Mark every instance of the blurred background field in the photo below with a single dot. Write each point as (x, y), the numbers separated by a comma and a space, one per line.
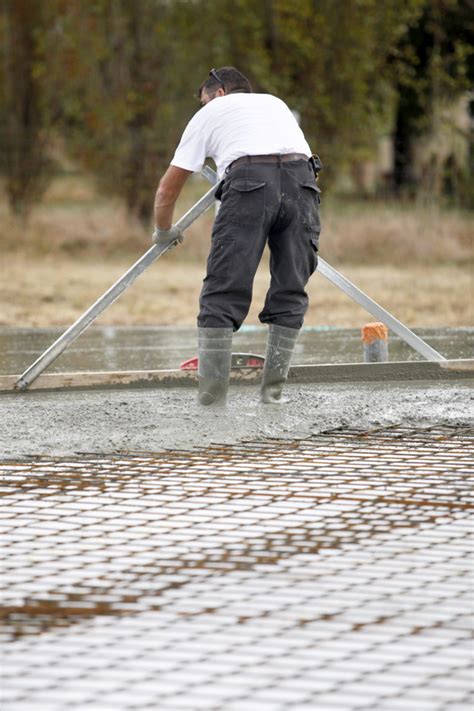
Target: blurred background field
(95, 97)
(415, 259)
(74, 219)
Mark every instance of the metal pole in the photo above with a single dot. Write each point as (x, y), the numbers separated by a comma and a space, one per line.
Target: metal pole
(84, 321)
(378, 311)
(361, 298)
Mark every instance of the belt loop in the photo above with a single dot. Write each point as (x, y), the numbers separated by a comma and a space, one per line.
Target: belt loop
(249, 160)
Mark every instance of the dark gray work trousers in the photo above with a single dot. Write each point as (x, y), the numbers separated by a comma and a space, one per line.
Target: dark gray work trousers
(276, 203)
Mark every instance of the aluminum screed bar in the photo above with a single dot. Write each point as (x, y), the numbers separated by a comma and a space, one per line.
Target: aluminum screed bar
(84, 321)
(361, 298)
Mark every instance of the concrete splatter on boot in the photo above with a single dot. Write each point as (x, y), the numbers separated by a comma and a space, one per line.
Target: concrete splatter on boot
(215, 355)
(280, 346)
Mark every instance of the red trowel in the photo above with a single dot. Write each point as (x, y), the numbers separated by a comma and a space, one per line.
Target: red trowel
(239, 360)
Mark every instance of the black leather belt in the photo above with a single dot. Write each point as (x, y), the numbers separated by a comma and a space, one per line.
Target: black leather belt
(270, 158)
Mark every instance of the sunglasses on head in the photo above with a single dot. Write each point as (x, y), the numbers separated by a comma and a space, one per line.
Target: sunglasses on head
(213, 73)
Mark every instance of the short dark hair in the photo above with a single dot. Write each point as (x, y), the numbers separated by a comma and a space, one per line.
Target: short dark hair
(230, 79)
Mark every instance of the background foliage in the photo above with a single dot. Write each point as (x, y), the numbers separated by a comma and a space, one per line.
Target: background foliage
(112, 83)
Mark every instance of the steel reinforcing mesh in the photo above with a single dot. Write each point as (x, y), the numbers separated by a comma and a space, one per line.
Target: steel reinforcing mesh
(332, 572)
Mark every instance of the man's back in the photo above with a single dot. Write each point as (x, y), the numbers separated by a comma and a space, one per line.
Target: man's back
(236, 125)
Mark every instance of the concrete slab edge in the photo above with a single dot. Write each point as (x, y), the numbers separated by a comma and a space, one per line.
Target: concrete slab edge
(331, 373)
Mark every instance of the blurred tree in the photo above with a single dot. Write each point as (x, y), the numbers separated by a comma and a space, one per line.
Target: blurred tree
(28, 105)
(434, 63)
(355, 70)
(327, 59)
(125, 104)
(120, 78)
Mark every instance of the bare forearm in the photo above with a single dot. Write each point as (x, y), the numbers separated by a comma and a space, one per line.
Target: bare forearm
(163, 210)
(168, 192)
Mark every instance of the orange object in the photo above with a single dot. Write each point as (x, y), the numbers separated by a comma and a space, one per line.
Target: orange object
(374, 332)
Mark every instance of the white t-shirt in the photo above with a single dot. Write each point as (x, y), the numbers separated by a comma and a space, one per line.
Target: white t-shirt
(236, 125)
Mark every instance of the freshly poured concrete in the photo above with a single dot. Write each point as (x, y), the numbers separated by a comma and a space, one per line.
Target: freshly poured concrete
(69, 423)
(114, 348)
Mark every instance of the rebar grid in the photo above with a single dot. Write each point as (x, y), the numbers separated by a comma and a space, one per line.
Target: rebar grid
(331, 572)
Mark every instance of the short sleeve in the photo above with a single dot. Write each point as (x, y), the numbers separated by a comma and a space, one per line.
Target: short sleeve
(191, 151)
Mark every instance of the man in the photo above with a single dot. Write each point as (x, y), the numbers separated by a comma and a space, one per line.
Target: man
(268, 193)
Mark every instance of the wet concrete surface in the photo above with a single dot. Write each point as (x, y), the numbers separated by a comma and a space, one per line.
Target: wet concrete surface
(332, 573)
(113, 348)
(65, 423)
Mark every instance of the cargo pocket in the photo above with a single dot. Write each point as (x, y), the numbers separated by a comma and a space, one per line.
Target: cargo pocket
(314, 242)
(311, 201)
(245, 201)
(312, 188)
(312, 233)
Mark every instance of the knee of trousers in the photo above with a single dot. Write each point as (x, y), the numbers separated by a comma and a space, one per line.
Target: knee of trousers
(283, 309)
(223, 308)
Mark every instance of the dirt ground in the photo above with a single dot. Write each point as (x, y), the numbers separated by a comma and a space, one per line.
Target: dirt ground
(414, 259)
(54, 290)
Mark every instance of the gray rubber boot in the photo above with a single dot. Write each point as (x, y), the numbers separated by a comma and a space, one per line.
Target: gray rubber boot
(215, 355)
(280, 346)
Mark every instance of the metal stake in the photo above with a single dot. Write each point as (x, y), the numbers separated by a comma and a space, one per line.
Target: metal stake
(84, 321)
(361, 298)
